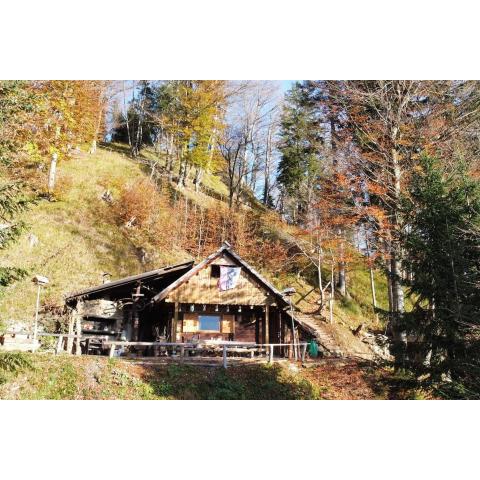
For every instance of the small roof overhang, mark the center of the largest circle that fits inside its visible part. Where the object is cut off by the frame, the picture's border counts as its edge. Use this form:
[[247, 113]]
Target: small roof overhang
[[160, 278]]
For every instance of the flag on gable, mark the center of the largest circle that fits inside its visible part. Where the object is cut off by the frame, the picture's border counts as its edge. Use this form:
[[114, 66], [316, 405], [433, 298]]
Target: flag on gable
[[228, 277]]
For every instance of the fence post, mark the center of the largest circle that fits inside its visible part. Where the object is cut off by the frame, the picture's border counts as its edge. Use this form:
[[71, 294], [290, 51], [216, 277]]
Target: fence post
[[59, 345], [182, 353], [112, 349], [270, 356], [224, 356], [304, 351]]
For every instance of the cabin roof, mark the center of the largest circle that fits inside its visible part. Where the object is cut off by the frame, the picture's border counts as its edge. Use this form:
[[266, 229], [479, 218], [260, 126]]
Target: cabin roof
[[225, 249], [168, 273]]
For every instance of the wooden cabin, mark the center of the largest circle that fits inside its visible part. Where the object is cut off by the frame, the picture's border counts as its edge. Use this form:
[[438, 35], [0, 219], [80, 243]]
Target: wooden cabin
[[222, 298]]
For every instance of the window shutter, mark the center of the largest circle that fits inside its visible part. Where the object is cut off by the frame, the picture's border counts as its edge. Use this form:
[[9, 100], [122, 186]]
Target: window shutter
[[228, 324], [190, 322]]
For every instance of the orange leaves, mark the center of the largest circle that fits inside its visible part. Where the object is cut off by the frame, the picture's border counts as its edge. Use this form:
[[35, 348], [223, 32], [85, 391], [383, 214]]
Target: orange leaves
[[137, 200], [376, 189]]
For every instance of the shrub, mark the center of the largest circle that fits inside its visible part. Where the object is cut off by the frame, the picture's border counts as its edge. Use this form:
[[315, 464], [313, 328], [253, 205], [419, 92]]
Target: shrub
[[13, 363]]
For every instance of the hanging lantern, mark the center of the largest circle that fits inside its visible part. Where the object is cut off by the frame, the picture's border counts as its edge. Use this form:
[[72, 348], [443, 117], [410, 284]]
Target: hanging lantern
[[192, 307]]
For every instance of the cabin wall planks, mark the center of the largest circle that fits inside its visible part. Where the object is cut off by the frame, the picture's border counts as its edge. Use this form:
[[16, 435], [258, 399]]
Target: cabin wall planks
[[203, 288]]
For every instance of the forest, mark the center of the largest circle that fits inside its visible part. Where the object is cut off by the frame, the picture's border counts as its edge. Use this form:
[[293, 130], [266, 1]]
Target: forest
[[364, 195]]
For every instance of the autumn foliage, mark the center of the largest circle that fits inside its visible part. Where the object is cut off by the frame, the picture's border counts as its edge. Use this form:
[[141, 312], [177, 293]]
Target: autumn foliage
[[155, 219]]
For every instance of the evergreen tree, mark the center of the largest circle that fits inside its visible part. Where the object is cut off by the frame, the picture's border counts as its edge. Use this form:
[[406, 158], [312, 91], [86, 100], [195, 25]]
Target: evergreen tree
[[17, 103], [300, 142], [442, 246]]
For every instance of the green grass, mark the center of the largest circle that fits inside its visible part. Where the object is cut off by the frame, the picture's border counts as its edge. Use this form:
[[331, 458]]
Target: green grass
[[67, 377], [12, 363], [70, 377]]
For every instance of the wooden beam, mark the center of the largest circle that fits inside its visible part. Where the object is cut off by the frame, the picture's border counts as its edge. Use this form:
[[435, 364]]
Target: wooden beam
[[135, 317], [70, 332], [78, 350], [267, 322], [224, 356], [281, 333], [174, 323], [59, 345], [303, 297], [304, 351]]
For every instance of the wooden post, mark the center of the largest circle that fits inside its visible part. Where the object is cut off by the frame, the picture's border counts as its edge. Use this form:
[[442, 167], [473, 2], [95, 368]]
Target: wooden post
[[87, 345], [78, 350], [267, 321], [270, 356], [224, 356], [70, 332], [135, 317], [59, 345], [112, 350], [280, 333], [304, 352], [174, 324], [182, 353]]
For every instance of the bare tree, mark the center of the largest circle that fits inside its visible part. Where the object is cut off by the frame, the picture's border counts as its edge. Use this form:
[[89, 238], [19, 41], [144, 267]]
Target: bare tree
[[248, 143]]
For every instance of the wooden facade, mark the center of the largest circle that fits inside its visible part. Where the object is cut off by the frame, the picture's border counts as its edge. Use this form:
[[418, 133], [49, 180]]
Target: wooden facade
[[202, 288]]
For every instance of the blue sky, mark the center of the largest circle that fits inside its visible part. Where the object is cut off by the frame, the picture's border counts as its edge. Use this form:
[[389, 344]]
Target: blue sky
[[286, 84]]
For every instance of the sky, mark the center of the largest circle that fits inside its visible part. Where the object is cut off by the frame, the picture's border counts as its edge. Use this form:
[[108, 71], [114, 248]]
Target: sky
[[286, 84]]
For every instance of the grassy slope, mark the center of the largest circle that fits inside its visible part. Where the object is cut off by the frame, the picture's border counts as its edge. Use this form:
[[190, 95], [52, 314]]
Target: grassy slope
[[78, 239], [66, 377]]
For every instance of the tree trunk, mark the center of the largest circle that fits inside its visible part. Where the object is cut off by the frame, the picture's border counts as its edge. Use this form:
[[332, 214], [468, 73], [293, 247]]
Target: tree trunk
[[332, 292], [398, 330], [93, 147], [342, 280], [268, 156], [372, 279], [126, 117], [198, 178], [52, 174], [320, 281]]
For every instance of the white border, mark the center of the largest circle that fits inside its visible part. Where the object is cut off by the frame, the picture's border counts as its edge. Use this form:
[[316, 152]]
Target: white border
[[233, 39]]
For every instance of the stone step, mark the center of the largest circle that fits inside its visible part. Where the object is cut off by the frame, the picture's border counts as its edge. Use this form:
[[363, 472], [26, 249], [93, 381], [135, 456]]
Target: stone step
[[315, 325]]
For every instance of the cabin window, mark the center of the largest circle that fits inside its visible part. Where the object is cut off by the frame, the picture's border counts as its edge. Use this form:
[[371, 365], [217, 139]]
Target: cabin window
[[215, 270], [209, 322]]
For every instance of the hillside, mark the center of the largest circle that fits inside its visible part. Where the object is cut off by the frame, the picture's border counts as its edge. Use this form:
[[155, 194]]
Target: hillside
[[79, 238]]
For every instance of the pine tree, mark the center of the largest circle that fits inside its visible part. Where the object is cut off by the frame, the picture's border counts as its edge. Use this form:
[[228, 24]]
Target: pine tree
[[443, 256], [300, 142], [17, 104]]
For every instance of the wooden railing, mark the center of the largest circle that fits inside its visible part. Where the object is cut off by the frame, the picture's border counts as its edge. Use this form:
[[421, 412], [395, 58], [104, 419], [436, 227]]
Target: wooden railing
[[299, 349], [225, 346]]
